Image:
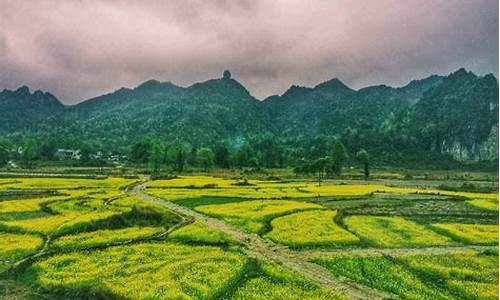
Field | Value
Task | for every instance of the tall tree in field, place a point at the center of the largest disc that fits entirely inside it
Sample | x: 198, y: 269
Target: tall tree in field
x: 339, y: 156
x: 4, y: 154
x: 157, y: 156
x: 180, y: 160
x: 140, y: 151
x: 205, y: 158
x: 364, y: 159
x: 245, y: 156
x: 319, y: 166
x: 221, y: 155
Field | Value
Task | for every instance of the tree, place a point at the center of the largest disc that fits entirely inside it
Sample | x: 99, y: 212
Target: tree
x: 140, y: 152
x: 205, y: 158
x: 339, y: 156
x: 180, y: 160
x: 319, y: 166
x: 48, y: 149
x: 157, y: 156
x: 29, y: 152
x: 364, y: 159
x: 245, y: 156
x: 4, y: 154
x: 221, y: 155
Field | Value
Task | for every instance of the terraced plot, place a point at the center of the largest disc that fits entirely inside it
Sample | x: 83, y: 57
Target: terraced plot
x: 164, y: 270
x: 310, y: 229
x: 91, y: 239
x: 14, y: 247
x: 471, y: 233
x: 394, y: 232
x: 104, y: 237
x: 251, y: 215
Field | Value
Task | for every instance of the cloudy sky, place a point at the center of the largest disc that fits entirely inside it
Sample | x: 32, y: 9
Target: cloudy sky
x: 81, y: 49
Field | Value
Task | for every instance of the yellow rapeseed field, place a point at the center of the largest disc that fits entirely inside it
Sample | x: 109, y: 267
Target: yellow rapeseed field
x: 143, y: 271
x: 471, y: 233
x: 200, y: 233
x: 394, y: 232
x: 472, y: 275
x: 309, y: 229
x: 104, y: 236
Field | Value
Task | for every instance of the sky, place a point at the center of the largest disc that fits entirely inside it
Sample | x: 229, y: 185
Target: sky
x: 81, y: 49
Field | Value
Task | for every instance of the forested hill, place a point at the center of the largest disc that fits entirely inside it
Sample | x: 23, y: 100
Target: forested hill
x: 431, y: 119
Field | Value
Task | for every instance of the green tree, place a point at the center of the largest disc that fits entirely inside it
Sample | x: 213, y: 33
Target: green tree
x: 157, y: 156
x: 180, y: 159
x: 221, y: 155
x: 4, y: 154
x: 319, y: 166
x: 48, y: 149
x: 205, y: 158
x: 245, y: 156
x: 29, y: 152
x: 364, y: 159
x: 339, y: 156
x: 140, y: 152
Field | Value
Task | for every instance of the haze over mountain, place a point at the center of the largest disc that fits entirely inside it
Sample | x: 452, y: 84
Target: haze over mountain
x: 455, y: 114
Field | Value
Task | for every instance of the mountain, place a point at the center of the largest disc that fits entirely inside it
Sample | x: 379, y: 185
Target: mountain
x: 460, y: 116
x: 21, y: 109
x: 428, y: 119
x: 204, y: 113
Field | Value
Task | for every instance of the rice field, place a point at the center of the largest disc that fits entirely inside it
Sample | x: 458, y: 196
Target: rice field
x: 87, y: 238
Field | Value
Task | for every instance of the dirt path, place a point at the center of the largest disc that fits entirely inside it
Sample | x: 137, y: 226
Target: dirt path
x: 262, y: 249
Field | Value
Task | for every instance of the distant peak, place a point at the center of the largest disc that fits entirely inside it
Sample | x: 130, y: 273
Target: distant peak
x: 226, y: 75
x: 154, y: 85
x: 296, y: 90
x: 332, y: 85
x: 23, y: 90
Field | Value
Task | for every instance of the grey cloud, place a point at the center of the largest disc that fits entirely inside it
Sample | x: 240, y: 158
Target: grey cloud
x: 80, y: 49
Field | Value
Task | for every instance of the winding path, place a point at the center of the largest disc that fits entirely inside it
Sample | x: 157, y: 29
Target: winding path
x: 298, y: 261
x: 261, y: 249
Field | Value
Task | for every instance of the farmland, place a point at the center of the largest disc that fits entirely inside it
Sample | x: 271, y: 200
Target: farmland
x: 204, y: 237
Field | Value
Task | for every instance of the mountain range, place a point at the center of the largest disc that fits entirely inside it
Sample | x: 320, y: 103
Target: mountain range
x: 454, y: 115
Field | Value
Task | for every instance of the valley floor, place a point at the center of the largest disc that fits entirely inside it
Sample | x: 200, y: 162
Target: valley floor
x: 203, y: 237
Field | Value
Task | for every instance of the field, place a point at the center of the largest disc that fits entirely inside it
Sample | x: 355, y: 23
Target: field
x: 203, y: 237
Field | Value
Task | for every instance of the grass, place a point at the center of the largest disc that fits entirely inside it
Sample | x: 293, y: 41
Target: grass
x: 310, y: 229
x: 470, y: 233
x: 394, y: 232
x: 142, y: 271
x: 104, y: 237
x: 198, y: 232
x: 251, y: 215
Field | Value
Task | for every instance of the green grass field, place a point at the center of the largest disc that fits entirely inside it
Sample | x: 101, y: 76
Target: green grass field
x: 66, y: 238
